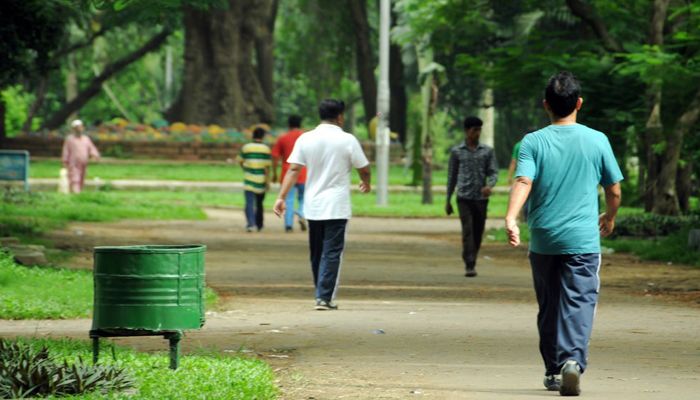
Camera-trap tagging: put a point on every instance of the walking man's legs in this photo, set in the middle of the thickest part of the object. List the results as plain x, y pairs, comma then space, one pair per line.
259, 211
567, 293
546, 277
468, 242
326, 244
300, 211
580, 284
316, 232
289, 212
329, 268
478, 209
249, 209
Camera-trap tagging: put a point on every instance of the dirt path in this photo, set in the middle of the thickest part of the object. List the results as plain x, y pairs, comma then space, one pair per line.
410, 325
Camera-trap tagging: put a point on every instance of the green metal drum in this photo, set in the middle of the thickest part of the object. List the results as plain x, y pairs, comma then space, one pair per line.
149, 288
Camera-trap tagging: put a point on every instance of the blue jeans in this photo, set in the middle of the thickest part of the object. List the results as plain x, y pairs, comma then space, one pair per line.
567, 288
326, 244
298, 190
254, 209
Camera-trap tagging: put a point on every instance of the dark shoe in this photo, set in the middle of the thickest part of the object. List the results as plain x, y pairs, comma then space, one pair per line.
288, 229
302, 224
471, 272
323, 305
552, 382
570, 378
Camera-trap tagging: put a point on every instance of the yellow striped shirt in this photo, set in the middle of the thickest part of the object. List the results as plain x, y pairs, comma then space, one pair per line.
256, 157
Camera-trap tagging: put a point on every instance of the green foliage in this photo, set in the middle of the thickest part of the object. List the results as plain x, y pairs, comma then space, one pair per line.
29, 371
17, 102
31, 30
202, 375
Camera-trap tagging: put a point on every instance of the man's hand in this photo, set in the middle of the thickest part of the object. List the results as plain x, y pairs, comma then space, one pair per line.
486, 191
365, 187
513, 231
279, 207
606, 224
448, 208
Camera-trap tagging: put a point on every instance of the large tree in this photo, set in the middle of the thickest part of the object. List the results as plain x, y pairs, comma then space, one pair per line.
221, 83
659, 66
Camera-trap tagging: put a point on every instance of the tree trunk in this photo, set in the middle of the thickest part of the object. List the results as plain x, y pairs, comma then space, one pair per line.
38, 101
220, 83
665, 195
397, 86
653, 134
264, 52
95, 85
683, 186
3, 134
365, 59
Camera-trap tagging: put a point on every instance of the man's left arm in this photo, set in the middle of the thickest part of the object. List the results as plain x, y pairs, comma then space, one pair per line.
613, 198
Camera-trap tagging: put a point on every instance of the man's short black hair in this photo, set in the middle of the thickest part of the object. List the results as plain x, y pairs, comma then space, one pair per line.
562, 93
330, 109
471, 122
259, 133
294, 121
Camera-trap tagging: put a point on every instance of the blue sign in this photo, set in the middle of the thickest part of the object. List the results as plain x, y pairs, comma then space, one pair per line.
14, 166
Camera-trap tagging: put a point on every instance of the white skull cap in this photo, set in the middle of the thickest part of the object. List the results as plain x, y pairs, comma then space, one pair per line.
76, 122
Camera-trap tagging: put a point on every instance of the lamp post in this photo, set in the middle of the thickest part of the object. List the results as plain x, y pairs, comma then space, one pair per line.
383, 97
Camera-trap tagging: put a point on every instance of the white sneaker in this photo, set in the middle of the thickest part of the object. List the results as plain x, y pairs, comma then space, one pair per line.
570, 379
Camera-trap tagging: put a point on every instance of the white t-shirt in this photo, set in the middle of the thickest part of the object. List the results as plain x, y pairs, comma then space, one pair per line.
329, 154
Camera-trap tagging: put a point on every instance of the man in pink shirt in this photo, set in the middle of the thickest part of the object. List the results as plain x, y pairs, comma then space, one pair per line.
77, 151
281, 151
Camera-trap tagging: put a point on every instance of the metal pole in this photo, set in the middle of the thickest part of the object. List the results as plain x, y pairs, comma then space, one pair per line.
383, 96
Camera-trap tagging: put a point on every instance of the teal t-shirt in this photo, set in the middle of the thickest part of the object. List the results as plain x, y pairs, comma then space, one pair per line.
566, 164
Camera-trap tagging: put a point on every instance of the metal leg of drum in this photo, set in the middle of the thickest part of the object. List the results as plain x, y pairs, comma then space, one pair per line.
174, 349
95, 349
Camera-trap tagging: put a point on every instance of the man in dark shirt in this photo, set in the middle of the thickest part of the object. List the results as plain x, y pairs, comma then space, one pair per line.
473, 172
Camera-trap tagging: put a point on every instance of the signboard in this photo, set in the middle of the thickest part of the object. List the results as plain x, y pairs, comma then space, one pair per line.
14, 166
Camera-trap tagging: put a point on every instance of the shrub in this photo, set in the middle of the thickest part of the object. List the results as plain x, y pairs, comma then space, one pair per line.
26, 371
652, 225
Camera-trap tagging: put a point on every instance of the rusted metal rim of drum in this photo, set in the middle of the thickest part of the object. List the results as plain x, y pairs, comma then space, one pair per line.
148, 290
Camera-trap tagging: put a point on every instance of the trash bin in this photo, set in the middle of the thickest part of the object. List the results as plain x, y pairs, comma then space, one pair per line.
148, 290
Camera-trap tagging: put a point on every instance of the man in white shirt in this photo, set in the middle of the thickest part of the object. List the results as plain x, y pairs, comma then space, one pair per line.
329, 155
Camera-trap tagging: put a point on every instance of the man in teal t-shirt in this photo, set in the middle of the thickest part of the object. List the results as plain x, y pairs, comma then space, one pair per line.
559, 170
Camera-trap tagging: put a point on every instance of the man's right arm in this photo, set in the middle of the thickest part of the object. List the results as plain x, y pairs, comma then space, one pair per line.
289, 180
518, 195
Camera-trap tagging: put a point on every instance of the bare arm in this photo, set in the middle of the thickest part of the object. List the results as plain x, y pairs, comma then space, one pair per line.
289, 180
518, 195
613, 198
366, 177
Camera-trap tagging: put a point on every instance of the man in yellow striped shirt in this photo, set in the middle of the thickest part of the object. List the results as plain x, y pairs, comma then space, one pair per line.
256, 161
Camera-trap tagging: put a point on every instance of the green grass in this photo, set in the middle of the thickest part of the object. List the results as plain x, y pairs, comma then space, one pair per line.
202, 375
30, 292
672, 248
214, 172
28, 215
